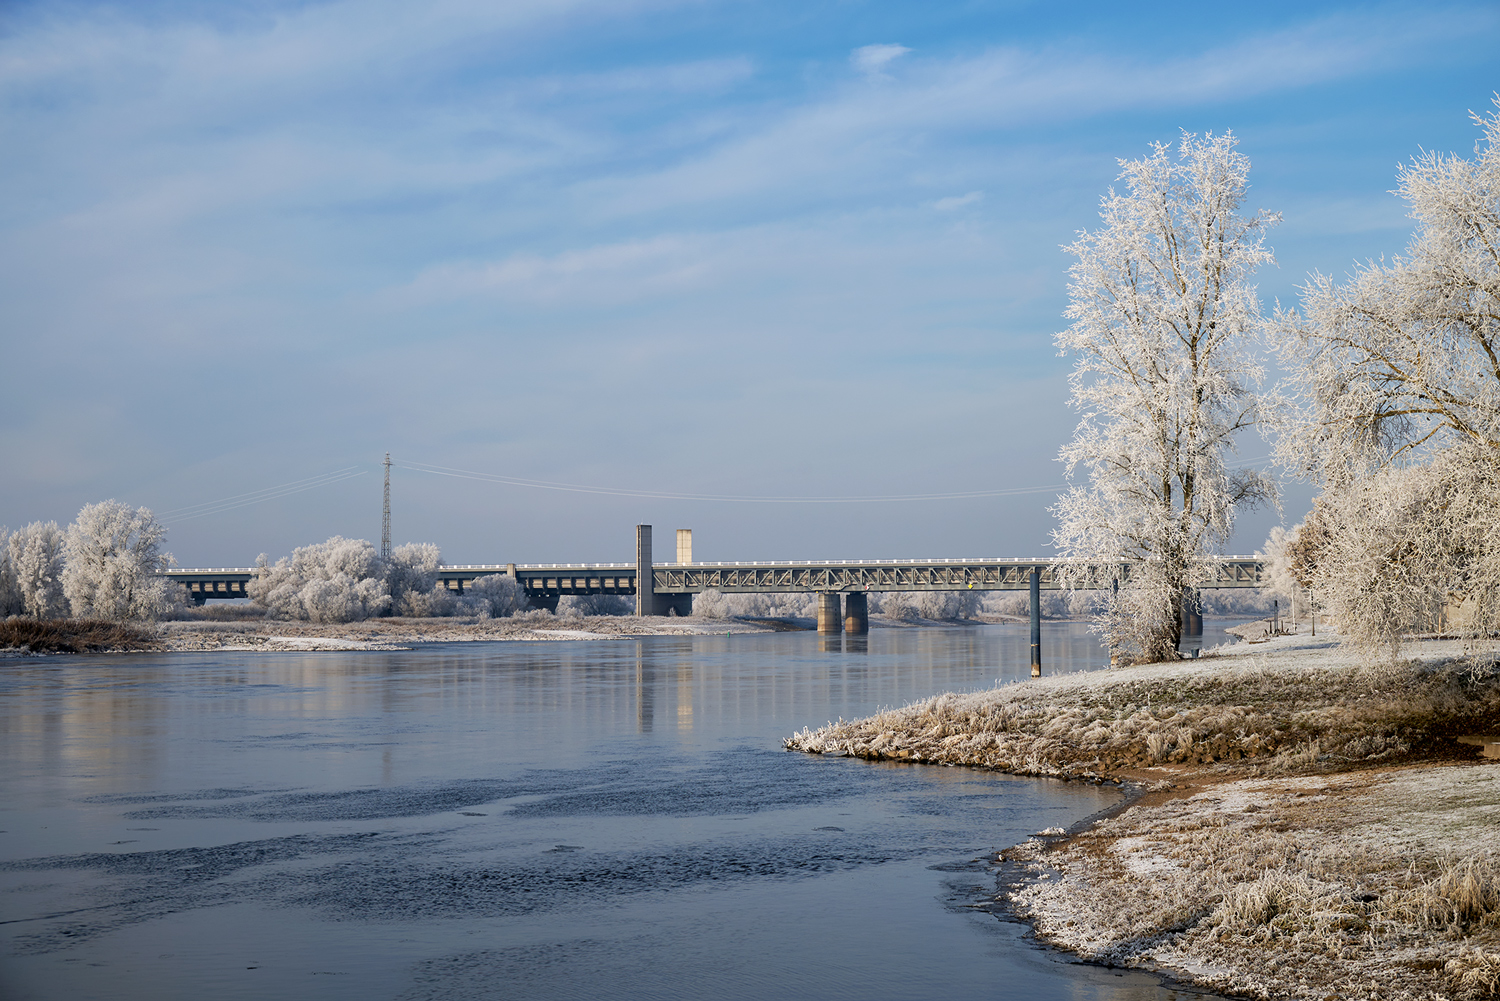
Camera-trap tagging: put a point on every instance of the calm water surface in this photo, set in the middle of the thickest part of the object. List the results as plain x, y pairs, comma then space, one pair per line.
509, 820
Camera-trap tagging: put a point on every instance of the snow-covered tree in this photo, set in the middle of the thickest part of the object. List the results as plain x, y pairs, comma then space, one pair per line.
1405, 357
936, 605
1414, 549
111, 555
10, 598
501, 594
1395, 377
34, 560
341, 580
1163, 317
412, 579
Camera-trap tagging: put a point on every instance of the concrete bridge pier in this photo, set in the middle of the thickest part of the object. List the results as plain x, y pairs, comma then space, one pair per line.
856, 613
645, 581
829, 618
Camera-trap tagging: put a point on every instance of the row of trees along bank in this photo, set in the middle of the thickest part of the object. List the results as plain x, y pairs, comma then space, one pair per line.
105, 565
1390, 400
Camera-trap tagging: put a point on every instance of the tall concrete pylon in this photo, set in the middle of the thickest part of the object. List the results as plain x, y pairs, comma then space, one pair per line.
645, 590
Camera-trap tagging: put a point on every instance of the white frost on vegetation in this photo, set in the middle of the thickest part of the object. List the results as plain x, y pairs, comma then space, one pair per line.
345, 580
1297, 704
573, 605
1392, 402
1363, 884
111, 554
1163, 313
341, 580
33, 563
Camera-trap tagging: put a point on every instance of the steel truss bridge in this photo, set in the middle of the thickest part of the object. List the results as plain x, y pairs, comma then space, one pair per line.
674, 584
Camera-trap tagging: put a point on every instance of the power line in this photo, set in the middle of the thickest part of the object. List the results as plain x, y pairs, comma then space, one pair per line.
237, 501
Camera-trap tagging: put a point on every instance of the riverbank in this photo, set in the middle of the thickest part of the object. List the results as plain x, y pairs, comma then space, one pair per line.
1306, 822
21, 637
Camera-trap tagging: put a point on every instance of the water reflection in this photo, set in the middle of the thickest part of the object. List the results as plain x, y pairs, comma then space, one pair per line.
496, 820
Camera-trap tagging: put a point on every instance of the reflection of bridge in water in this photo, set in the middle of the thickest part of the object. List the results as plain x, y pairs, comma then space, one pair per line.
841, 585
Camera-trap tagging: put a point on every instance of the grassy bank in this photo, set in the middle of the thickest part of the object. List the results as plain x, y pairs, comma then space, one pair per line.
1310, 826
74, 636
1290, 706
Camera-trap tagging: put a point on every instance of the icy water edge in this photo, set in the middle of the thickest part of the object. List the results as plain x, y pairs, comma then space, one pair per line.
516, 820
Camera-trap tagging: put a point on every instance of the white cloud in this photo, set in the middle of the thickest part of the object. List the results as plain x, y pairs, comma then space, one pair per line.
873, 59
958, 201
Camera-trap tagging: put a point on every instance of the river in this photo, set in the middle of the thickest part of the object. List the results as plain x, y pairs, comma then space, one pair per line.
517, 820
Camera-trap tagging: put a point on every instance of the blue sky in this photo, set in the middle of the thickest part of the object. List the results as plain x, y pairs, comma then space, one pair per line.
690, 248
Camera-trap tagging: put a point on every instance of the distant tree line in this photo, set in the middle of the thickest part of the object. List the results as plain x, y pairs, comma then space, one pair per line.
106, 565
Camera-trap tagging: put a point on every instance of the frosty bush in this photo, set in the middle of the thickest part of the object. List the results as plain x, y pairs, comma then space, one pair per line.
1162, 310
715, 604
501, 595
341, 580
110, 557
1407, 543
33, 560
345, 580
411, 576
596, 604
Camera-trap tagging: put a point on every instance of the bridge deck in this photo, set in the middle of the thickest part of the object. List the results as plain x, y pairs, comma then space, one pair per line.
552, 580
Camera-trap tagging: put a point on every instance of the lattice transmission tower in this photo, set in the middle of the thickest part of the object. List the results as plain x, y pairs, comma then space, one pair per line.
385, 517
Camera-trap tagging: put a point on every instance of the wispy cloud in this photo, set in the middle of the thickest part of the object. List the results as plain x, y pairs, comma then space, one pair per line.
873, 59
958, 201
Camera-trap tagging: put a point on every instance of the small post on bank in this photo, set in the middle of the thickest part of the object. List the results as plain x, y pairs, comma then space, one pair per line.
1036, 622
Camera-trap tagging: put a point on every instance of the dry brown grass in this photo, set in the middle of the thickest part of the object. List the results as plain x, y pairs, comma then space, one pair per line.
74, 636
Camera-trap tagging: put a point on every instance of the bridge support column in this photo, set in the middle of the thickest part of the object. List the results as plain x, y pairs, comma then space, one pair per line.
856, 613
1036, 623
829, 619
645, 590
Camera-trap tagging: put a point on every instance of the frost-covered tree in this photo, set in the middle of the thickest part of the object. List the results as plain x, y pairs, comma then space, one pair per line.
34, 562
1414, 549
1405, 356
1395, 381
1163, 317
412, 579
111, 555
341, 580
936, 605
497, 595
10, 599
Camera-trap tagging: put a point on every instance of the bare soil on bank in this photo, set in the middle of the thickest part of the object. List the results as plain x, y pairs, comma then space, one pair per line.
1304, 822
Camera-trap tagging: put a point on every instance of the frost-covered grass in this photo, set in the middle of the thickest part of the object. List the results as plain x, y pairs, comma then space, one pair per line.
1293, 705
1305, 830
1368, 884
